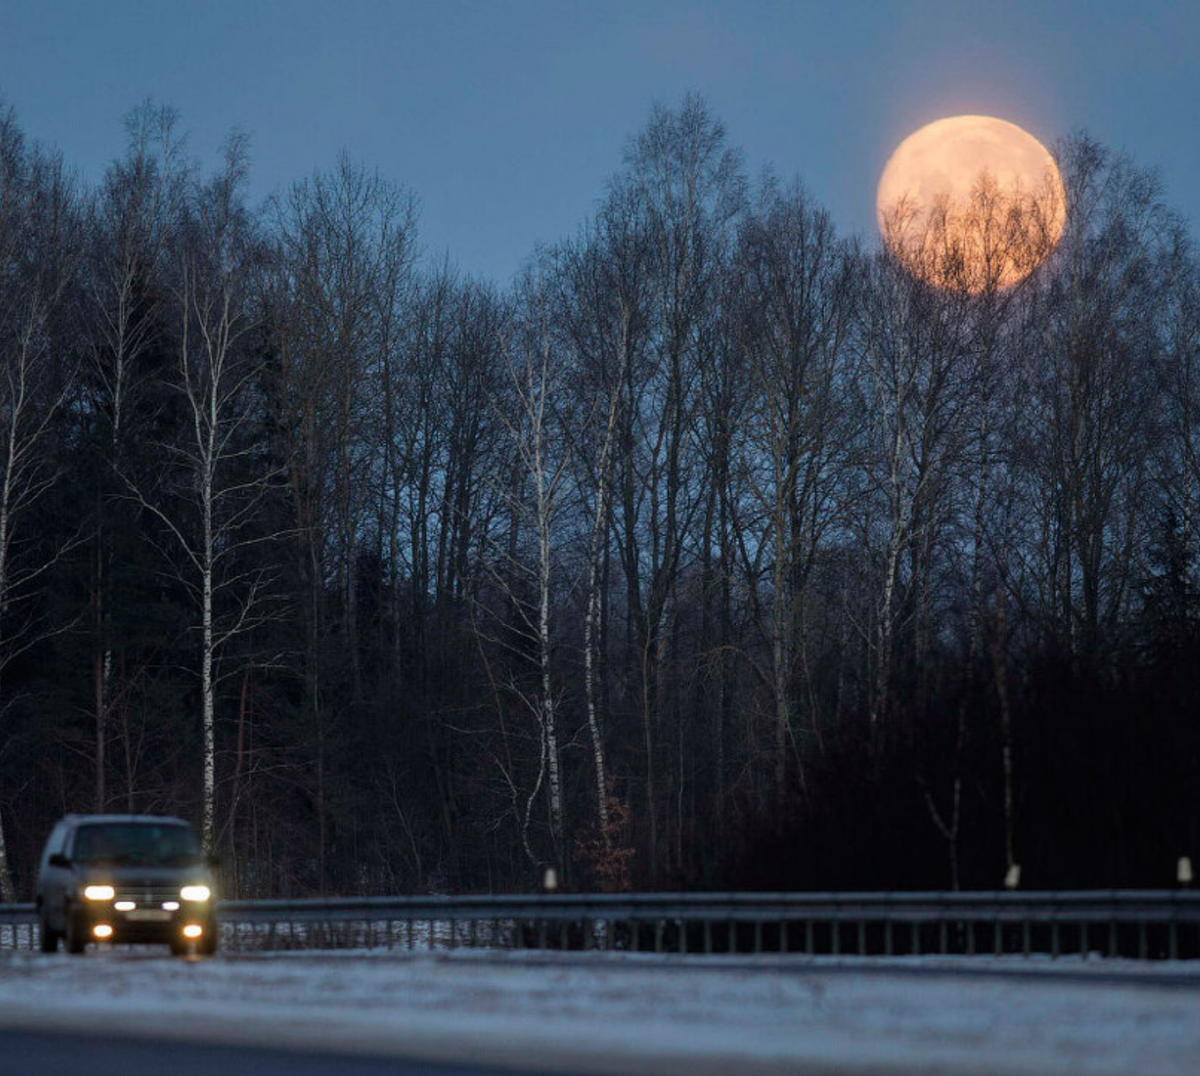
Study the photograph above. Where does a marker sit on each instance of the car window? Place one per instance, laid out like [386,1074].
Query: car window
[146,845]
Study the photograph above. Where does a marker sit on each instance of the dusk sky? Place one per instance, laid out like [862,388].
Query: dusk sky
[505,119]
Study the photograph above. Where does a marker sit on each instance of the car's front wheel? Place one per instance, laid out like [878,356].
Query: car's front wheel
[76,935]
[49,938]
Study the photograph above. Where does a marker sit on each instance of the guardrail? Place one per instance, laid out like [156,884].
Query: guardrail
[1146,924]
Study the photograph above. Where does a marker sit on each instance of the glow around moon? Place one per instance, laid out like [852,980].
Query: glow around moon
[971,203]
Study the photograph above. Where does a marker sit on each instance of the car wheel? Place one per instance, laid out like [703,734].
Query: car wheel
[76,938]
[49,937]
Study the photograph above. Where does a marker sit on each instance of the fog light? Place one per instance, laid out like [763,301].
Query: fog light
[170,905]
[102,931]
[125,905]
[99,892]
[193,930]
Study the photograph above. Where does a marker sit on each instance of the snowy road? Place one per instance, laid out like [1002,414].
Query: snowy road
[630,1013]
[54,1053]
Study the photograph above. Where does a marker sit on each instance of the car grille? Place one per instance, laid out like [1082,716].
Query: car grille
[146,895]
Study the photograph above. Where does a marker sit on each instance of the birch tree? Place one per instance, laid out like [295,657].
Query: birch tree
[601,310]
[534,422]
[215,482]
[914,404]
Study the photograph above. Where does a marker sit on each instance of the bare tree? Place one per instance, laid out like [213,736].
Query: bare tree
[133,217]
[797,281]
[39,248]
[532,412]
[601,313]
[690,187]
[215,481]
[339,295]
[1179,469]
[1090,422]
[915,405]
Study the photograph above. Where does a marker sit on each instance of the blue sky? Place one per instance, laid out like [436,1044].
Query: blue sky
[506,118]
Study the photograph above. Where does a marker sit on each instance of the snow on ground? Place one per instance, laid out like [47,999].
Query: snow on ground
[623,1012]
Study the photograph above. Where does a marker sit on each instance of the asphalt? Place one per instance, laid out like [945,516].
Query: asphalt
[41,1053]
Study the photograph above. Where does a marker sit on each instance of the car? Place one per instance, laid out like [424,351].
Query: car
[126,878]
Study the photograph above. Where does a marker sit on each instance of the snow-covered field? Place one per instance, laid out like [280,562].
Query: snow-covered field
[638,1013]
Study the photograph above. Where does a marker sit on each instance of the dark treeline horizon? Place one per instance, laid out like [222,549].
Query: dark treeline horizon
[717,551]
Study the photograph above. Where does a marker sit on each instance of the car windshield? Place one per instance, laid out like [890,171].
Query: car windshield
[143,844]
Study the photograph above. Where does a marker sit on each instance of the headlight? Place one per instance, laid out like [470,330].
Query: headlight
[195,892]
[99,892]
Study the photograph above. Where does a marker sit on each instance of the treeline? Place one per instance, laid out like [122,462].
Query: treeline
[717,551]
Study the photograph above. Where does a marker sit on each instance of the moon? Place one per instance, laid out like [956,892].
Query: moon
[971,203]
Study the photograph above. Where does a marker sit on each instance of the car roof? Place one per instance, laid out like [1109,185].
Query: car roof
[126,819]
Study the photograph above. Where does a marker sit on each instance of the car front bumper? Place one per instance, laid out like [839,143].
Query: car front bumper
[141,925]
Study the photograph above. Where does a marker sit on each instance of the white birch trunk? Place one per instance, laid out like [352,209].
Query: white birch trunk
[595,600]
[208,826]
[548,708]
[545,503]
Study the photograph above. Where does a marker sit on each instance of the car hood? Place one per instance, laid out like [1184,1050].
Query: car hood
[135,876]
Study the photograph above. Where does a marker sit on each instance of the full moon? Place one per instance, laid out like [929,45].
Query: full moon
[971,203]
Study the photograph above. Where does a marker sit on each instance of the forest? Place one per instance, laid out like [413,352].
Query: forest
[717,550]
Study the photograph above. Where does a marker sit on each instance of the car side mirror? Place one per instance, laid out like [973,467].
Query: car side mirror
[214,862]
[59,860]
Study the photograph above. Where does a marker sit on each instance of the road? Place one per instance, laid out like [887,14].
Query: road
[598,1013]
[63,1054]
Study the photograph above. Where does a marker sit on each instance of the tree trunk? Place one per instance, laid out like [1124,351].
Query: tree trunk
[595,602]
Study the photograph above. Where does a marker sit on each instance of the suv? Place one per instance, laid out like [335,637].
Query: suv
[126,878]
